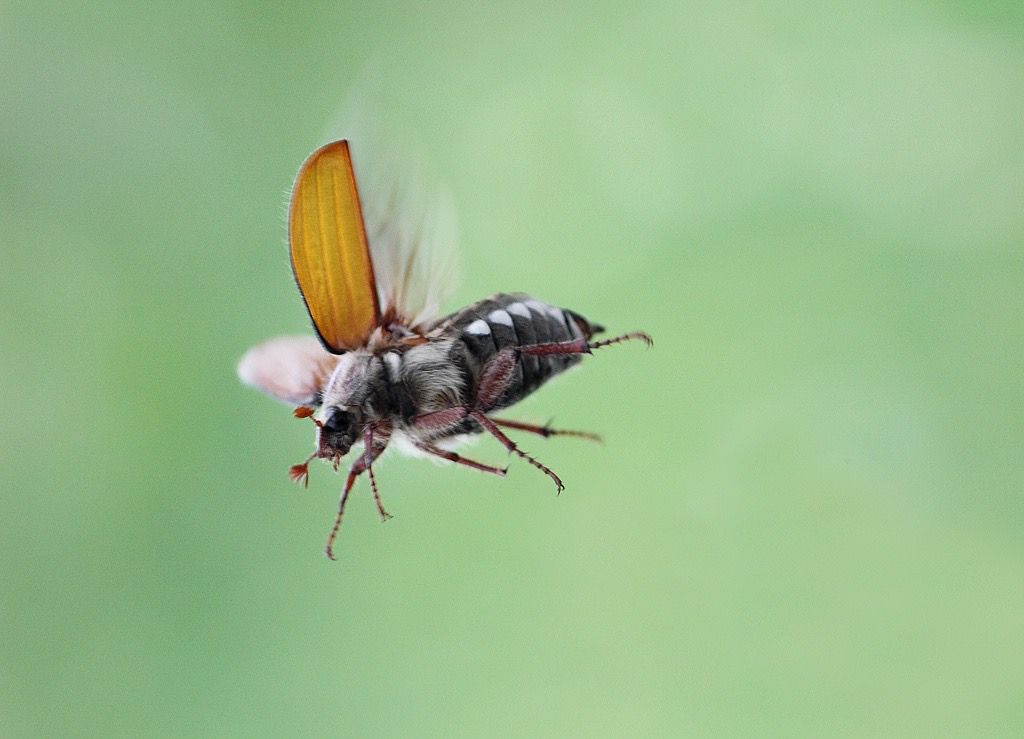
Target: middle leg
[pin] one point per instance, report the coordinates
(459, 459)
(495, 379)
(494, 431)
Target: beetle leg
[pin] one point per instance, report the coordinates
(459, 459)
(546, 430)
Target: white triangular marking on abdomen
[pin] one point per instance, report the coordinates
(500, 316)
(519, 309)
(478, 328)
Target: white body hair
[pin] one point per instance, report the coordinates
(430, 376)
(350, 383)
(425, 374)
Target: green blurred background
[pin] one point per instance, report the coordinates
(807, 516)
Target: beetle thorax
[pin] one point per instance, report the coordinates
(349, 384)
(347, 403)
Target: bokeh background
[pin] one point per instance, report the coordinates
(807, 516)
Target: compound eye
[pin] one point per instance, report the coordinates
(339, 420)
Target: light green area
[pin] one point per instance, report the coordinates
(807, 516)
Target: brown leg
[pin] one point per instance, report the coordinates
(545, 430)
(581, 346)
(631, 336)
(459, 459)
(368, 438)
(361, 465)
(489, 426)
(352, 474)
(384, 515)
(441, 420)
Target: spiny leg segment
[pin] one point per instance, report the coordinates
(492, 429)
(352, 474)
(459, 459)
(384, 515)
(581, 346)
(363, 464)
(546, 430)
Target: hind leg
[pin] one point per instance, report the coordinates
(581, 346)
(546, 430)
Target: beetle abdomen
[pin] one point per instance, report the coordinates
(509, 320)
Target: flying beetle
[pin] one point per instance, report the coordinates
(385, 367)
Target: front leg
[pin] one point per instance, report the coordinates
(368, 459)
(374, 447)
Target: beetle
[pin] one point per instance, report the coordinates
(385, 367)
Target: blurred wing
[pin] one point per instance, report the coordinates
(330, 256)
(290, 368)
(410, 222)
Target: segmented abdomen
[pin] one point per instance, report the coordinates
(509, 320)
